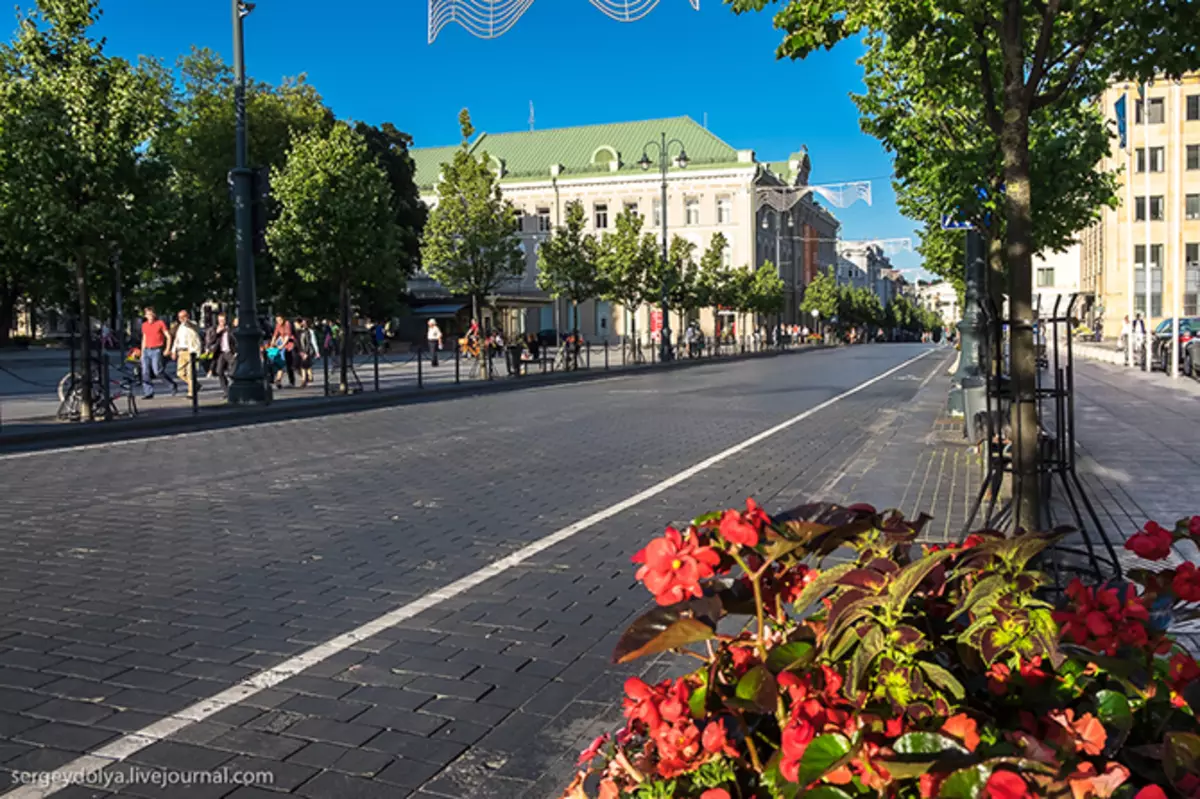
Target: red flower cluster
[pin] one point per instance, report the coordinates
(744, 527)
(1182, 670)
(1006, 785)
(660, 712)
(1098, 620)
(1186, 582)
(1030, 671)
(1084, 734)
(673, 567)
(813, 712)
(1152, 542)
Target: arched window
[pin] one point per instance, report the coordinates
(606, 157)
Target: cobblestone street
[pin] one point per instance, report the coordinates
(142, 577)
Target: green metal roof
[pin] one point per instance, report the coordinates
(528, 155)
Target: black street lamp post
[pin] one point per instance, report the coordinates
(248, 386)
(664, 162)
(966, 395)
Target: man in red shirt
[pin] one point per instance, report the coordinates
(156, 340)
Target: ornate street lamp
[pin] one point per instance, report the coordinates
(663, 148)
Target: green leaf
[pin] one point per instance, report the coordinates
(911, 576)
(989, 587)
(942, 678)
(697, 702)
(757, 686)
(825, 581)
(790, 656)
(1181, 755)
(966, 783)
(660, 630)
(872, 644)
(1112, 708)
(927, 743)
(823, 754)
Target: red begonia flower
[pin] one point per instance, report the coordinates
(1086, 783)
(963, 728)
(1152, 542)
(1032, 672)
(715, 793)
(1006, 785)
(715, 740)
(1085, 734)
(593, 749)
(1186, 582)
(1150, 792)
(673, 567)
(1182, 670)
(744, 527)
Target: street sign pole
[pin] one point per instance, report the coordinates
(968, 382)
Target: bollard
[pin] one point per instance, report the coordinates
(606, 354)
(376, 365)
(420, 374)
(588, 357)
(624, 349)
(193, 387)
(457, 362)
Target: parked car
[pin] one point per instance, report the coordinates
(1189, 331)
(1190, 355)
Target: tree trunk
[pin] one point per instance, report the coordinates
(9, 293)
(575, 334)
(1014, 144)
(347, 336)
(85, 339)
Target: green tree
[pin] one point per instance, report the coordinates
(1020, 58)
(200, 262)
(390, 148)
(93, 114)
(627, 259)
(821, 295)
(470, 241)
(766, 290)
(682, 278)
(336, 225)
(568, 262)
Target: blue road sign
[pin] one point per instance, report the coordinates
(950, 223)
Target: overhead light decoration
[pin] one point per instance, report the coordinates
(489, 19)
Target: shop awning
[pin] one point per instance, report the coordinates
(439, 310)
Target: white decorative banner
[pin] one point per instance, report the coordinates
(839, 195)
(489, 19)
(887, 246)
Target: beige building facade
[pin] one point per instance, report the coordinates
(720, 190)
(1158, 220)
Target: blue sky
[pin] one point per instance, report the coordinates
(370, 60)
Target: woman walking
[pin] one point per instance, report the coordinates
(283, 339)
(306, 351)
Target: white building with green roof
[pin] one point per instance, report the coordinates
(720, 189)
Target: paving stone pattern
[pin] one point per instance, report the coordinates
(138, 578)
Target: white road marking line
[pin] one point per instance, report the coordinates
(929, 377)
(77, 770)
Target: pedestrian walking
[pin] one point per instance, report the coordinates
(283, 339)
(306, 351)
(433, 337)
(156, 339)
(1139, 337)
(184, 343)
(220, 342)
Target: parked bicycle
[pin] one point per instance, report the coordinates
(122, 391)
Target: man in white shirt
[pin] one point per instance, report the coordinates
(185, 342)
(433, 336)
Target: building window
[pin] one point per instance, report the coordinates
(1158, 112)
(1191, 286)
(724, 210)
(656, 210)
(1193, 107)
(1192, 206)
(1156, 209)
(1193, 156)
(691, 211)
(519, 219)
(1045, 276)
(1139, 279)
(631, 208)
(543, 219)
(727, 257)
(600, 215)
(1158, 160)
